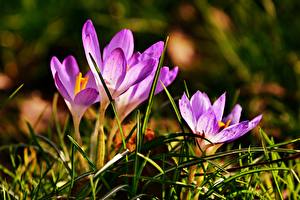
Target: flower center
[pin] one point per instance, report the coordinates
(80, 83)
(224, 125)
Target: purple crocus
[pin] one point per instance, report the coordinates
(207, 119)
(119, 65)
(139, 92)
(78, 92)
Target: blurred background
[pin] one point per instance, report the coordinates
(248, 48)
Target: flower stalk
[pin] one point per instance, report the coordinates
(100, 137)
(110, 138)
(76, 122)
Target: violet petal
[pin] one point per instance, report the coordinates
(133, 60)
(166, 77)
(200, 104)
(86, 97)
(139, 92)
(92, 82)
(136, 74)
(154, 51)
(91, 45)
(207, 123)
(187, 112)
(254, 122)
(67, 72)
(230, 133)
(234, 115)
(237, 130)
(61, 88)
(218, 106)
(114, 69)
(124, 40)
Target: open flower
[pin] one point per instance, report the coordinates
(139, 92)
(119, 65)
(78, 92)
(207, 119)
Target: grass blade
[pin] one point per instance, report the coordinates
(72, 168)
(175, 108)
(11, 96)
(139, 137)
(59, 153)
(35, 141)
(151, 162)
(186, 89)
(111, 162)
(114, 191)
(82, 152)
(153, 87)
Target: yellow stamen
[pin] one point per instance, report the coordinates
(84, 82)
(221, 124)
(227, 123)
(80, 83)
(224, 125)
(77, 84)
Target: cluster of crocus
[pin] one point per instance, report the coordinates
(128, 75)
(206, 119)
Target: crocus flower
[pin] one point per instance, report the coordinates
(119, 65)
(139, 92)
(78, 92)
(207, 119)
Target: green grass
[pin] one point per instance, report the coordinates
(158, 169)
(252, 53)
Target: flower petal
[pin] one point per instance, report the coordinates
(130, 99)
(166, 77)
(86, 97)
(230, 133)
(61, 88)
(200, 104)
(67, 71)
(207, 124)
(139, 92)
(136, 74)
(236, 131)
(91, 44)
(254, 122)
(219, 106)
(235, 115)
(114, 70)
(187, 112)
(54, 65)
(154, 51)
(92, 82)
(123, 40)
(133, 60)
(71, 67)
